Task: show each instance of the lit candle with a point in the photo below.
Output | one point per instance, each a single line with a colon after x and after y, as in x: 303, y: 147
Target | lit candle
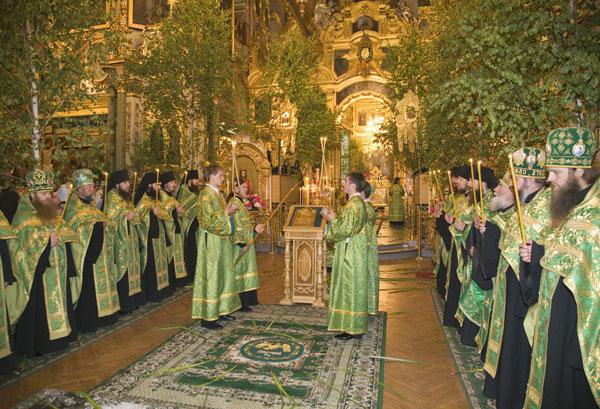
x: 105, y: 190
x: 157, y: 188
x: 480, y: 190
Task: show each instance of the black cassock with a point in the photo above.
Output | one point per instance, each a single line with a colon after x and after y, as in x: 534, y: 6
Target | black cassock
x: 441, y: 275
x: 32, y: 335
x: 484, y: 271
x: 469, y: 329
x: 565, y: 385
x: 9, y: 363
x: 454, y: 285
x: 190, y: 250
x: 86, y: 311
x: 149, y: 281
x: 174, y: 281
x: 128, y: 302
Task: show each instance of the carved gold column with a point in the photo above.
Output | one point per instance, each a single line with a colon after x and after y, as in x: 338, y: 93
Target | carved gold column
x: 287, y: 299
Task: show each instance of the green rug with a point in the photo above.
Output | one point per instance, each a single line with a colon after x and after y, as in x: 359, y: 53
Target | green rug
x: 467, y: 360
x: 275, y: 357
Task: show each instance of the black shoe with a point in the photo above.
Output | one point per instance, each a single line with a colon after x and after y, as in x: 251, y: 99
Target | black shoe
x: 245, y: 309
x: 226, y: 318
x: 211, y: 325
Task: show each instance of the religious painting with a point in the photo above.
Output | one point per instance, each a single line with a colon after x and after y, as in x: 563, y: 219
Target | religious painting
x: 102, y: 14
x: 147, y: 12
x: 306, y: 216
x: 247, y: 170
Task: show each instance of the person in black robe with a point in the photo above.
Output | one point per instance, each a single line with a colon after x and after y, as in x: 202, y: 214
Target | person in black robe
x: 488, y: 257
x: 566, y: 384
x: 119, y: 180
x: 190, y: 247
x: 8, y: 363
x: 515, y: 354
x: 459, y: 181
x: 168, y: 184
x: 469, y: 329
x: 31, y: 331
x: 146, y: 190
x: 86, y: 311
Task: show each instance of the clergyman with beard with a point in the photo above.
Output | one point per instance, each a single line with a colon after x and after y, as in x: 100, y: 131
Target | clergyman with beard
x: 187, y: 195
x: 174, y: 227
x: 153, y: 238
x: 40, y: 301
x: 97, y: 298
x: 564, y: 363
x: 508, y: 355
x: 123, y: 216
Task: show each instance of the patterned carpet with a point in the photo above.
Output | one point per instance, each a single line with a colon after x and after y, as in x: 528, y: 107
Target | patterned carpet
x: 467, y: 360
x: 275, y: 357
x: 29, y: 365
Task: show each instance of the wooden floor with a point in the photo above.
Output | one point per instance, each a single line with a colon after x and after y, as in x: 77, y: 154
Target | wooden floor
x: 413, y: 332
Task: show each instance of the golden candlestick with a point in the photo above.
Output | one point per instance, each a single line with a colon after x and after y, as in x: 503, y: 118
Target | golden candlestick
x: 451, y: 192
x: 475, y: 205
x: 438, y: 186
x: 185, y: 174
x: 134, y: 182
x: 105, y: 198
x: 480, y: 191
x: 517, y: 199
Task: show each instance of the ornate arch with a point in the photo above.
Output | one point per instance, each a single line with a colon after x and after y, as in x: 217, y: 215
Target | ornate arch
x: 247, y: 153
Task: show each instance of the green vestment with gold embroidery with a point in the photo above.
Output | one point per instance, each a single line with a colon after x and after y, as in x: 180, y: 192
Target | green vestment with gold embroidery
x: 33, y: 236
x: 246, y: 270
x: 8, y: 234
x: 81, y: 218
x: 472, y: 301
x: 370, y: 230
x: 396, y: 203
x: 348, y: 292
x: 175, y: 250
x: 572, y: 252
x: 159, y: 244
x: 189, y: 201
x: 127, y: 240
x: 500, y: 219
x: 215, y: 289
x: 536, y: 217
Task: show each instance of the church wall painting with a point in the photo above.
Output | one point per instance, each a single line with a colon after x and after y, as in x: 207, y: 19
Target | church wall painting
x: 147, y: 12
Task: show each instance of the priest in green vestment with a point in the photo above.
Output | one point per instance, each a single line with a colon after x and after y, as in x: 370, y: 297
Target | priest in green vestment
x: 40, y: 300
x: 187, y: 195
x: 396, y: 196
x: 215, y: 287
x: 349, y: 289
x: 472, y: 300
x: 175, y: 229
x: 8, y: 361
x: 370, y: 230
x: 153, y: 238
x: 564, y: 324
x: 508, y: 351
x: 244, y: 252
x: 120, y: 211
x: 95, y: 293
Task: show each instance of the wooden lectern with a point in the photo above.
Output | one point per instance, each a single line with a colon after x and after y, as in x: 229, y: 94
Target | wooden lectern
x: 305, y: 250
